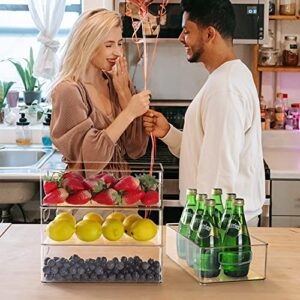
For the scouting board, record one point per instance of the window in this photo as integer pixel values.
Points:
(18, 33)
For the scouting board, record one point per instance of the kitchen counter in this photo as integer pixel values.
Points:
(20, 274)
(284, 162)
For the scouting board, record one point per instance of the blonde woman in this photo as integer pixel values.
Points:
(95, 115)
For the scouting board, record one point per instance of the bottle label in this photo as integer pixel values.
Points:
(234, 228)
(206, 230)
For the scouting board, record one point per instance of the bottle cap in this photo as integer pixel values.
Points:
(231, 196)
(201, 197)
(238, 202)
(216, 191)
(210, 202)
(191, 191)
(22, 121)
(47, 120)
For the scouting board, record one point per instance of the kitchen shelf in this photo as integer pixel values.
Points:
(280, 17)
(278, 69)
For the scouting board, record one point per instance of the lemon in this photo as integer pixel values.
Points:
(112, 229)
(60, 230)
(129, 220)
(117, 216)
(143, 230)
(94, 217)
(67, 217)
(88, 230)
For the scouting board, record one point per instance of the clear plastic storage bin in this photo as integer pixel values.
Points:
(127, 259)
(199, 259)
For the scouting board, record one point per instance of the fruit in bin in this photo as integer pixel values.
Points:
(94, 217)
(148, 182)
(56, 197)
(73, 185)
(88, 230)
(109, 179)
(150, 198)
(129, 220)
(95, 185)
(60, 230)
(130, 198)
(67, 217)
(108, 197)
(116, 215)
(143, 230)
(112, 229)
(72, 175)
(127, 184)
(80, 198)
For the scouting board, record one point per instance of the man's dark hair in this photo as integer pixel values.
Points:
(216, 13)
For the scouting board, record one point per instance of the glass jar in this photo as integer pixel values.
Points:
(287, 7)
(272, 7)
(268, 57)
(290, 55)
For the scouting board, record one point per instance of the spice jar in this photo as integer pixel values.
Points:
(268, 57)
(287, 7)
(23, 132)
(290, 54)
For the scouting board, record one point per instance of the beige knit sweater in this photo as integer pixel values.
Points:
(78, 130)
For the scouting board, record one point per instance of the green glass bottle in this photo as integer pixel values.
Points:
(185, 220)
(193, 228)
(216, 194)
(237, 257)
(206, 263)
(227, 213)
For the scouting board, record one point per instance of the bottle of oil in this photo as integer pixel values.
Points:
(23, 132)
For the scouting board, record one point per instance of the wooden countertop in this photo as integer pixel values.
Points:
(20, 274)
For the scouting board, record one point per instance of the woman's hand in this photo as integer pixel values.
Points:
(139, 104)
(120, 76)
(155, 123)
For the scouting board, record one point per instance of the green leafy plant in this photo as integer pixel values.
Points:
(30, 82)
(4, 89)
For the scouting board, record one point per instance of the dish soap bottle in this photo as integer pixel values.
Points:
(23, 132)
(46, 140)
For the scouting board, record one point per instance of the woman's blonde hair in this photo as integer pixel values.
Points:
(87, 34)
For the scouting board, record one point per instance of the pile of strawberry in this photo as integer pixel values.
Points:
(102, 188)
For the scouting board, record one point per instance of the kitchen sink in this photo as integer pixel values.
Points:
(16, 157)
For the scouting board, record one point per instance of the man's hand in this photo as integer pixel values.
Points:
(155, 123)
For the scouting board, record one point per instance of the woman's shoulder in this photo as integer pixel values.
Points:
(67, 89)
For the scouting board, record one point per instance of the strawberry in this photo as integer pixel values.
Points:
(50, 186)
(107, 197)
(94, 184)
(148, 182)
(72, 175)
(81, 197)
(132, 197)
(127, 184)
(109, 179)
(73, 185)
(150, 198)
(56, 196)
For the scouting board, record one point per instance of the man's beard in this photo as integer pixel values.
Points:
(196, 55)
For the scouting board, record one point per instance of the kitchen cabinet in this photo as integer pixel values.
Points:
(258, 70)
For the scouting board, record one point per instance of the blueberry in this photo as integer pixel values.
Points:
(63, 272)
(46, 260)
(115, 260)
(157, 277)
(69, 277)
(73, 270)
(66, 265)
(142, 277)
(51, 263)
(120, 266)
(80, 261)
(103, 277)
(58, 277)
(84, 277)
(150, 261)
(92, 267)
(94, 277)
(130, 260)
(104, 259)
(148, 271)
(156, 264)
(145, 265)
(150, 277)
(80, 270)
(56, 258)
(110, 265)
(128, 277)
(49, 277)
(135, 276)
(123, 259)
(76, 277)
(112, 277)
(54, 270)
(99, 271)
(59, 264)
(46, 270)
(98, 261)
(120, 277)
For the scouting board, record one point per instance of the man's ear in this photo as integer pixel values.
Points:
(210, 33)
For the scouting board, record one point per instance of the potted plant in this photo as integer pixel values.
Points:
(4, 88)
(31, 84)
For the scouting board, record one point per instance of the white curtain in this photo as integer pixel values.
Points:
(47, 16)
